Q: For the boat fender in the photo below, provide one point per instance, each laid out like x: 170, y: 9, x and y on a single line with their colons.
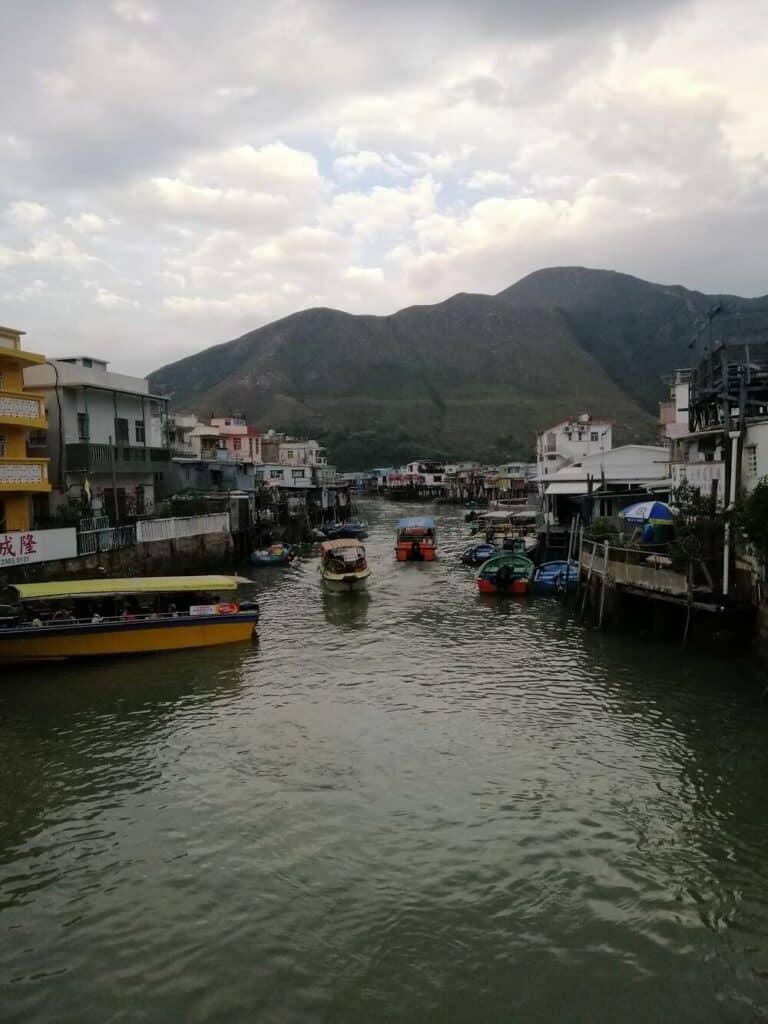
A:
x: 227, y: 609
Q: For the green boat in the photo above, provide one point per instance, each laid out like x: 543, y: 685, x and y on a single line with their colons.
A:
x: 506, y: 574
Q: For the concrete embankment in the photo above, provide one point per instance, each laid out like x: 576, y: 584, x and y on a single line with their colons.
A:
x: 177, y: 557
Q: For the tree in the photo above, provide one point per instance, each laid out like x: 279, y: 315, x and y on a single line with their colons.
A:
x: 751, y: 519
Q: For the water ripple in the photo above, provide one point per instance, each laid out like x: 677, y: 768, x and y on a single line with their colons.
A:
x: 424, y: 805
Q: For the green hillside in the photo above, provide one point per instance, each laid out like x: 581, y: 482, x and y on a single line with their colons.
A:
x: 472, y: 377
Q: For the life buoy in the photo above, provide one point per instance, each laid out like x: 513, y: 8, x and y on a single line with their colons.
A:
x: 227, y: 609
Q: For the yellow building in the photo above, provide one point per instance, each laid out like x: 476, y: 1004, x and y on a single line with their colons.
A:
x: 21, y: 477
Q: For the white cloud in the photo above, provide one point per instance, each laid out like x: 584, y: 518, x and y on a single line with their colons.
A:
x: 235, y: 305
x: 50, y: 248
x: 364, y: 275
x: 367, y: 174
x: 484, y: 181
x: 87, y: 223
x: 25, y: 213
x: 129, y: 10
x: 384, y: 210
x: 109, y: 300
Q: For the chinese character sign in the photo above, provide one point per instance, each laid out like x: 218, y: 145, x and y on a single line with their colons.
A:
x: 37, y: 546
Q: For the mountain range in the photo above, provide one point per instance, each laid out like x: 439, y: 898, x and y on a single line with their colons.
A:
x: 473, y: 377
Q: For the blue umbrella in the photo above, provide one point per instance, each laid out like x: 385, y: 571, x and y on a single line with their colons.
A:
x: 648, y: 512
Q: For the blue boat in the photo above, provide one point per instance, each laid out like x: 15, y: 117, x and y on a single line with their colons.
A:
x: 555, y: 577
x: 351, y: 529
x: 275, y: 554
x: 476, y: 554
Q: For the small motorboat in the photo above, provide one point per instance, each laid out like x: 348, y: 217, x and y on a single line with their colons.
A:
x: 350, y: 529
x: 476, y: 554
x: 556, y: 577
x: 343, y: 566
x: 275, y: 554
x: 506, y: 574
x: 416, y: 539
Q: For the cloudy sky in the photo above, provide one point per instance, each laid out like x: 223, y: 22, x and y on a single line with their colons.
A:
x: 176, y: 172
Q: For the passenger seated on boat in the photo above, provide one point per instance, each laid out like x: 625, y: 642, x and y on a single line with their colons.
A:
x: 127, y: 615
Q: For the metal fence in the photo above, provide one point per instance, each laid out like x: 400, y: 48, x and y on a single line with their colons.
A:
x: 91, y: 542
x: 182, y: 526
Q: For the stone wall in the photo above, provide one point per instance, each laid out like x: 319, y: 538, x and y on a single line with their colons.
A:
x: 212, y: 552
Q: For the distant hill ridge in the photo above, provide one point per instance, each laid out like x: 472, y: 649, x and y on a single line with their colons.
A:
x: 473, y: 377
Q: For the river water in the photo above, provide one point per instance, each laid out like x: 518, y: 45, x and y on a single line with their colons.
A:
x: 423, y: 806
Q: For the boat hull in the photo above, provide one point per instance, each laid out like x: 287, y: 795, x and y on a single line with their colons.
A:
x: 407, y: 552
x: 143, y: 636
x: 518, y: 586
x: 349, y: 583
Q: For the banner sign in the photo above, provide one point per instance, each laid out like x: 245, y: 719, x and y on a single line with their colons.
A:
x: 37, y: 546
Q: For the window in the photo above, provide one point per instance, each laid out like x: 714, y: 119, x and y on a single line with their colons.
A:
x: 121, y: 430
x: 88, y: 363
x: 298, y: 474
x: 275, y: 474
x: 2, y: 446
x: 83, y: 426
x: 438, y: 478
x: 38, y: 439
x: 236, y: 443
x: 141, y: 434
x: 2, y: 380
x: 750, y: 456
x: 594, y: 436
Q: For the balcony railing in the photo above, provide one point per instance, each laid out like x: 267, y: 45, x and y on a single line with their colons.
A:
x: 99, y: 458
x: 22, y: 410
x: 24, y: 475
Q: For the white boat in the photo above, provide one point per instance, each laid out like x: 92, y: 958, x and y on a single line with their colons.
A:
x: 343, y: 566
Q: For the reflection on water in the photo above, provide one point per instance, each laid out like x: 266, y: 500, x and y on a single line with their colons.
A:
x: 420, y: 805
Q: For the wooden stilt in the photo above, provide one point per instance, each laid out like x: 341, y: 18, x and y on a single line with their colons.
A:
x: 602, y: 591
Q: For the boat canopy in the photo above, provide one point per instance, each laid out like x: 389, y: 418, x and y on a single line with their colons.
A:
x: 339, y: 544
x: 62, y: 590
x: 506, y: 517
x: 417, y: 523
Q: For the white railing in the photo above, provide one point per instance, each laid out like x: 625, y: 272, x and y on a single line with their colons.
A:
x: 181, y: 526
x: 90, y: 542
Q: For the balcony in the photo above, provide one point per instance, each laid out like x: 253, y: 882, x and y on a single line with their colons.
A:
x: 99, y: 458
x: 18, y: 409
x: 29, y: 475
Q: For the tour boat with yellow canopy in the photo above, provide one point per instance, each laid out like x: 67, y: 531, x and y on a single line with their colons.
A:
x: 85, y: 618
x: 344, y: 567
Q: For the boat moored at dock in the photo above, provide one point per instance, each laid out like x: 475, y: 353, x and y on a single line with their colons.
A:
x: 506, y: 574
x: 556, y: 577
x: 350, y: 529
x: 476, y: 554
x: 344, y: 567
x: 275, y: 554
x: 512, y: 529
x: 98, y: 617
x: 416, y: 539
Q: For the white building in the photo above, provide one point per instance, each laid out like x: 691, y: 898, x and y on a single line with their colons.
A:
x: 107, y: 435
x: 603, y: 483
x: 569, y: 441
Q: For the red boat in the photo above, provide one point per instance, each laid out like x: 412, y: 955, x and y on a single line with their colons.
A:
x: 416, y: 540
